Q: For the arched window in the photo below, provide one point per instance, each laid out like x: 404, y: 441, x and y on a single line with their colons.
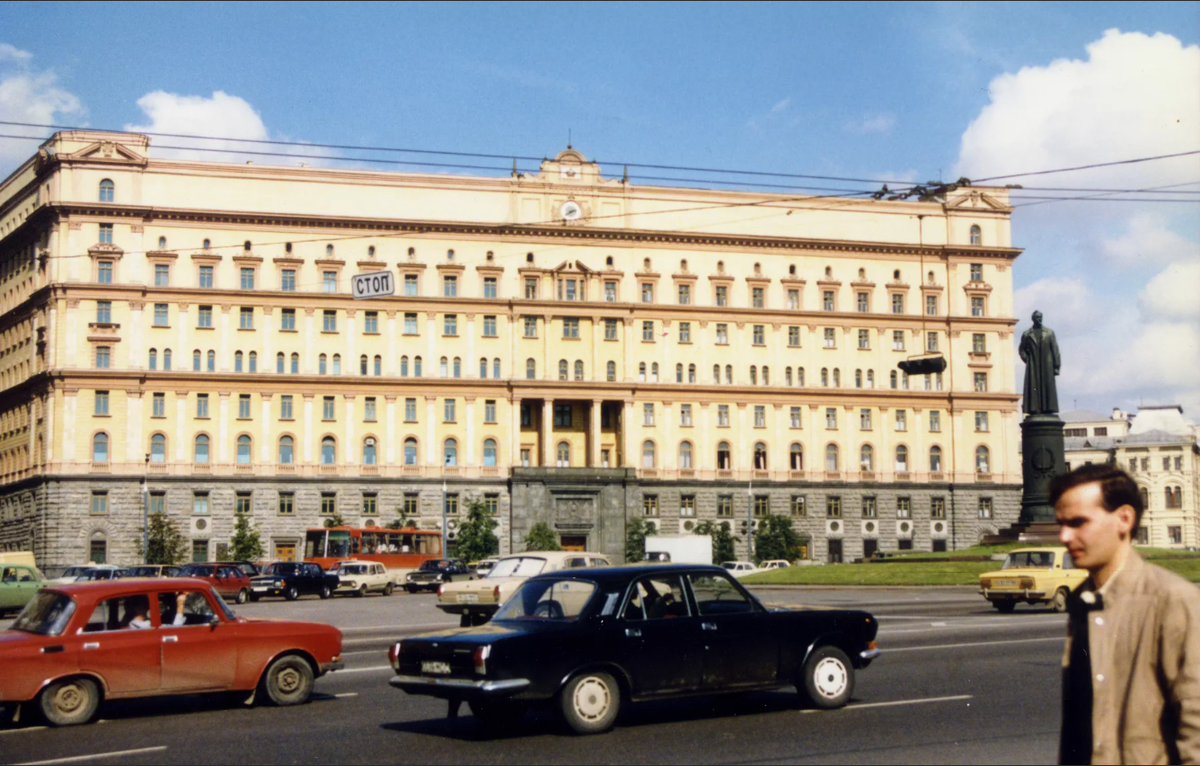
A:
x: 457, y: 367
x: 858, y: 378
x: 212, y: 361
x: 483, y: 367
x: 322, y: 364
x: 107, y: 190
x: 866, y: 458
x: 753, y: 375
x: 654, y: 372
x: 166, y: 358
x: 796, y: 457
x: 831, y: 457
x: 416, y: 366
x: 496, y: 368
x: 766, y: 375
x: 976, y: 235
x: 902, y: 459
x: 162, y: 243
x: 158, y: 448
x: 404, y: 366
x: 444, y: 367
x: 253, y: 361
x: 691, y: 373
x: 337, y: 364
x: 647, y: 454
x: 489, y: 452
x: 724, y: 456
x: 1145, y: 495
x: 800, y: 377
x: 870, y: 379
x: 982, y: 459
x: 286, y: 450
x: 562, y: 369
x: 679, y: 373
x: 824, y: 377
x: 196, y: 359
x: 935, y: 459
x: 371, y: 251
x: 760, y: 456
x: 279, y: 363
x: 892, y: 379
x: 611, y: 372
x: 207, y: 243
x: 100, y: 448
x: 410, y: 451
x: 729, y: 374
x: 329, y: 250
x: 578, y: 369
x: 1174, y: 497
x: 237, y: 361
x: 716, y: 374
x: 153, y: 359
x: 369, y: 451
x: 787, y: 376
x: 201, y: 452
x: 641, y: 372
x: 451, y: 452
x: 837, y: 378
x: 243, y: 449
x: 563, y: 455
x: 364, y: 364
x: 328, y: 451
x: 530, y: 369
x: 296, y: 364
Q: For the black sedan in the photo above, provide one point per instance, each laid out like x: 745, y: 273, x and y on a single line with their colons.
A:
x: 588, y: 640
x: 434, y: 573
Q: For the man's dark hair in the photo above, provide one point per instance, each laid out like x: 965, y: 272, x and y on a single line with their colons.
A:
x: 1117, y: 488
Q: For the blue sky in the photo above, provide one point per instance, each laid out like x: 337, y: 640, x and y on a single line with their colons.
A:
x: 863, y: 90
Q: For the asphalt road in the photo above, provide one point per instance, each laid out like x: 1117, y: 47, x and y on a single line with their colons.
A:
x: 957, y: 683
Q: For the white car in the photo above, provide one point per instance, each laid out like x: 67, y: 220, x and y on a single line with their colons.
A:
x: 358, y: 578
x: 739, y: 569
x: 775, y: 564
x: 86, y: 573
x: 485, y: 566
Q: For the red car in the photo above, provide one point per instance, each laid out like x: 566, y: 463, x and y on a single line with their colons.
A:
x: 225, y: 579
x: 75, y: 645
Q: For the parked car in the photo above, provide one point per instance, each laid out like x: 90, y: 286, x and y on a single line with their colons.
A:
x: 86, y: 572
x: 225, y: 579
x: 482, y: 568
x: 774, y: 564
x: 153, y: 570
x: 293, y: 579
x: 434, y: 573
x: 477, y: 600
x: 1034, y: 576
x: 19, y: 583
x: 249, y: 568
x: 359, y: 578
x: 590, y: 640
x: 74, y: 645
x: 740, y: 569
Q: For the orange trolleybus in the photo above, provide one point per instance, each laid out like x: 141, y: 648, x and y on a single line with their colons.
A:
x: 396, y: 549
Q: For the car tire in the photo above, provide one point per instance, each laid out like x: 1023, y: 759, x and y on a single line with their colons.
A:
x: 1004, y: 607
x: 325, y: 592
x: 291, y: 594
x: 498, y: 716
x: 388, y: 589
x: 288, y: 681
x: 1059, y: 603
x: 254, y: 597
x: 828, y: 678
x: 590, y: 703
x: 361, y: 592
x: 243, y: 596
x: 464, y: 621
x: 412, y: 591
x: 70, y: 702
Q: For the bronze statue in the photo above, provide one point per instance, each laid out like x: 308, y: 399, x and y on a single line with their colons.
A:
x: 1039, y: 352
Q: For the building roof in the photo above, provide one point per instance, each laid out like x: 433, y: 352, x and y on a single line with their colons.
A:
x: 1083, y: 443
x: 1084, y: 416
x: 1156, y: 436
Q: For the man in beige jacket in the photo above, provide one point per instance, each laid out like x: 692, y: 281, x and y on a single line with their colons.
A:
x: 1131, y: 669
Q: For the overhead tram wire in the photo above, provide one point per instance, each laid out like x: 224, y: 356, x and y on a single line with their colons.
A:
x: 1088, y: 167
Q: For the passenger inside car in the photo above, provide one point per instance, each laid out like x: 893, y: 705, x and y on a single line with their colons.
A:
x: 128, y: 613
x: 184, y: 608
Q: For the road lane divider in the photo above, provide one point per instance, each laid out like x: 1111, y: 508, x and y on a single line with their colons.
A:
x: 897, y: 703
x: 372, y: 669
x: 97, y: 756
x: 887, y: 651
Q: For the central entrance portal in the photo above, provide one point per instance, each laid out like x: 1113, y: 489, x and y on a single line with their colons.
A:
x: 576, y: 543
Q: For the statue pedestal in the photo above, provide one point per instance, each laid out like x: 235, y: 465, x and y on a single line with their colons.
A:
x: 1041, y: 460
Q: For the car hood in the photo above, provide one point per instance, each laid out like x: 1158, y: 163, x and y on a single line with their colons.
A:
x: 1026, y: 571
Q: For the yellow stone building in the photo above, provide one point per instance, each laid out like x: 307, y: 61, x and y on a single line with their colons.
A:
x: 566, y: 346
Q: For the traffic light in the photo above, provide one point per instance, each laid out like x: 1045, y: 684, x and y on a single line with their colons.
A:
x: 928, y: 365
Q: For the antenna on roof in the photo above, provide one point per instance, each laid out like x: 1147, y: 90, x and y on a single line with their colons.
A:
x: 568, y: 138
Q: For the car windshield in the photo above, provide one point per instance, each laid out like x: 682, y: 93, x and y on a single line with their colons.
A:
x: 560, y: 599
x: 197, y: 571
x: 352, y: 569
x: 281, y: 568
x: 1029, y: 560
x: 433, y: 565
x: 46, y: 615
x: 75, y: 571
x: 730, y: 565
x: 518, y: 566
x: 143, y: 572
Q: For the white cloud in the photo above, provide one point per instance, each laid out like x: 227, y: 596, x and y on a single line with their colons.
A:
x: 1066, y: 301
x: 780, y: 106
x: 27, y: 95
x: 1147, y: 240
x: 222, y: 116
x: 879, y: 123
x: 1174, y: 293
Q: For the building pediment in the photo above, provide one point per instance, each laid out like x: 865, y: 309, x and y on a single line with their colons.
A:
x: 976, y: 199
x: 108, y: 152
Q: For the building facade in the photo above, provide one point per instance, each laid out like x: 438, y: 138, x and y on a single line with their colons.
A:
x: 563, y: 346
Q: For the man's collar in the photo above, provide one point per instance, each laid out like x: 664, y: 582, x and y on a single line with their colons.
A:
x: 1133, y: 562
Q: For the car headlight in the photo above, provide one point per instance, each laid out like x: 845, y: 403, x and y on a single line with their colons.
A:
x: 279, y: 583
x: 985, y: 583
x: 410, y: 577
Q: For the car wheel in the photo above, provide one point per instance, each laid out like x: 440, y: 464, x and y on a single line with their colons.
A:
x: 387, y: 589
x: 325, y: 592
x: 411, y: 590
x: 291, y: 594
x: 828, y: 678
x: 288, y: 681
x: 1004, y: 607
x: 70, y: 702
x: 1059, y: 604
x: 243, y: 596
x: 361, y: 592
x: 590, y: 703
x: 497, y: 717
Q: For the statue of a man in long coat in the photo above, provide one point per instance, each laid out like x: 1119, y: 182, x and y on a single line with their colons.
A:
x: 1039, y: 352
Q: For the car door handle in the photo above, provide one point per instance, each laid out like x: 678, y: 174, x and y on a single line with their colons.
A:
x: 708, y: 626
x: 170, y: 639
x: 633, y: 632
x: 91, y: 645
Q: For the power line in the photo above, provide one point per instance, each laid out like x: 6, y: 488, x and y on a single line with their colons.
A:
x: 1089, y: 167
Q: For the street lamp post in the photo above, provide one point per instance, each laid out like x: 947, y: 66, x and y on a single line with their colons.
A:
x: 750, y: 521
x: 146, y: 512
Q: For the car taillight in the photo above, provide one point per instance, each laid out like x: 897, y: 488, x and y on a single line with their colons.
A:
x: 496, y: 594
x: 394, y: 656
x: 440, y: 589
x: 985, y: 583
x: 481, y: 657
x: 1026, y: 582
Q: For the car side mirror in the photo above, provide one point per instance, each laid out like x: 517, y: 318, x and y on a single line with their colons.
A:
x: 214, y: 621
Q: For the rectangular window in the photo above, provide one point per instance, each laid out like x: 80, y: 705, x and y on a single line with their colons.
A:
x: 833, y: 507
x: 287, y: 280
x: 648, y: 414
x: 158, y: 406
x: 722, y: 334
x: 897, y: 340
x: 531, y: 289
x: 610, y: 329
x: 685, y: 295
x: 328, y: 503
x: 904, y: 508
x: 977, y: 306
x: 722, y: 295
x: 831, y: 417
x: 530, y: 327
x: 243, y: 406
x: 931, y: 305
x: 978, y: 343
x: 685, y: 332
x: 562, y: 416
x: 243, y: 503
x: 246, y: 318
x: 158, y: 502
x: 760, y: 416
x: 103, y: 357
x: 1175, y: 535
x: 864, y: 339
x: 610, y: 292
x: 410, y: 324
x: 371, y: 322
x: 723, y: 415
x: 762, y: 506
x: 798, y: 507
x: 985, y: 508
x: 199, y: 551
x: 206, y: 276
x: 104, y: 272
x: 370, y: 506
x: 247, y: 278
x: 410, y: 410
x: 329, y: 320
x: 329, y: 281
x: 162, y: 275
x: 571, y: 328
x: 491, y: 504
x: 981, y: 421
x: 864, y: 419
x: 870, y: 508
x: 687, y: 505
x: 935, y: 421
x: 200, y: 503
x: 526, y: 459
x: 99, y: 502
x: 205, y: 317
x: 794, y: 420
x: 570, y: 292
x: 725, y: 506
x: 287, y: 504
x: 450, y: 325
x: 931, y: 342
x: 101, y: 405
x: 976, y: 272
x: 981, y: 381
x: 448, y: 411
x: 793, y: 300
x: 897, y: 304
x: 489, y: 411
x: 685, y: 414
x: 327, y: 411
x: 648, y: 331
x: 793, y: 337
x: 864, y: 303
x: 450, y: 287
x: 103, y: 312
x: 649, y: 505
x: 201, y: 405
x: 285, y: 407
x: 160, y: 315
x: 758, y: 335
x: 758, y: 298
x: 489, y: 287
x: 830, y: 338
x: 937, y: 508
x: 369, y: 414
x: 901, y: 420
x: 489, y: 327
x: 410, y: 286
x: 287, y: 320
x: 647, y: 292
x: 412, y: 503
x: 827, y: 300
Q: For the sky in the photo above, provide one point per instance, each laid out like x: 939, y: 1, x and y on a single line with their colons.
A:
x: 902, y: 92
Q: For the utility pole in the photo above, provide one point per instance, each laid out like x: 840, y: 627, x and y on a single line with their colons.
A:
x: 750, y: 520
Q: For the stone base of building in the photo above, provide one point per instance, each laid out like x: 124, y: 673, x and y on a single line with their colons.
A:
x: 586, y: 507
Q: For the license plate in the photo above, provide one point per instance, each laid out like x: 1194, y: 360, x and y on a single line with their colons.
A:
x: 436, y: 668
x: 468, y: 598
x: 1006, y: 583
x: 260, y: 587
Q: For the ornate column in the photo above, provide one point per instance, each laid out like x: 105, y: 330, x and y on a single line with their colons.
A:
x: 629, y: 458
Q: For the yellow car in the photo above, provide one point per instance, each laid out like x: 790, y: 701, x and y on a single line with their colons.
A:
x: 1032, y: 575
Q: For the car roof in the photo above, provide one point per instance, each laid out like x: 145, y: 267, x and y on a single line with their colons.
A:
x: 554, y: 555
x: 625, y: 572
x: 106, y: 588
x: 1040, y: 549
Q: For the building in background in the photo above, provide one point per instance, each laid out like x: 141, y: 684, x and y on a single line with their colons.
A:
x: 562, y: 346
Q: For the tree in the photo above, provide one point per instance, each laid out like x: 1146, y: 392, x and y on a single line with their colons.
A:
x: 397, y: 523
x: 776, y: 539
x: 635, y: 540
x: 246, y: 543
x: 335, y: 520
x: 476, y: 535
x: 541, y: 538
x: 722, y: 540
x: 167, y: 544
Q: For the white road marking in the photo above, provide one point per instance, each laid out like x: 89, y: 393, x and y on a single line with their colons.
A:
x: 1060, y: 639
x: 937, y: 624
x: 368, y: 651
x: 371, y: 669
x: 344, y: 696
x: 386, y: 639
x: 896, y: 703
x: 400, y: 627
x: 97, y: 756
